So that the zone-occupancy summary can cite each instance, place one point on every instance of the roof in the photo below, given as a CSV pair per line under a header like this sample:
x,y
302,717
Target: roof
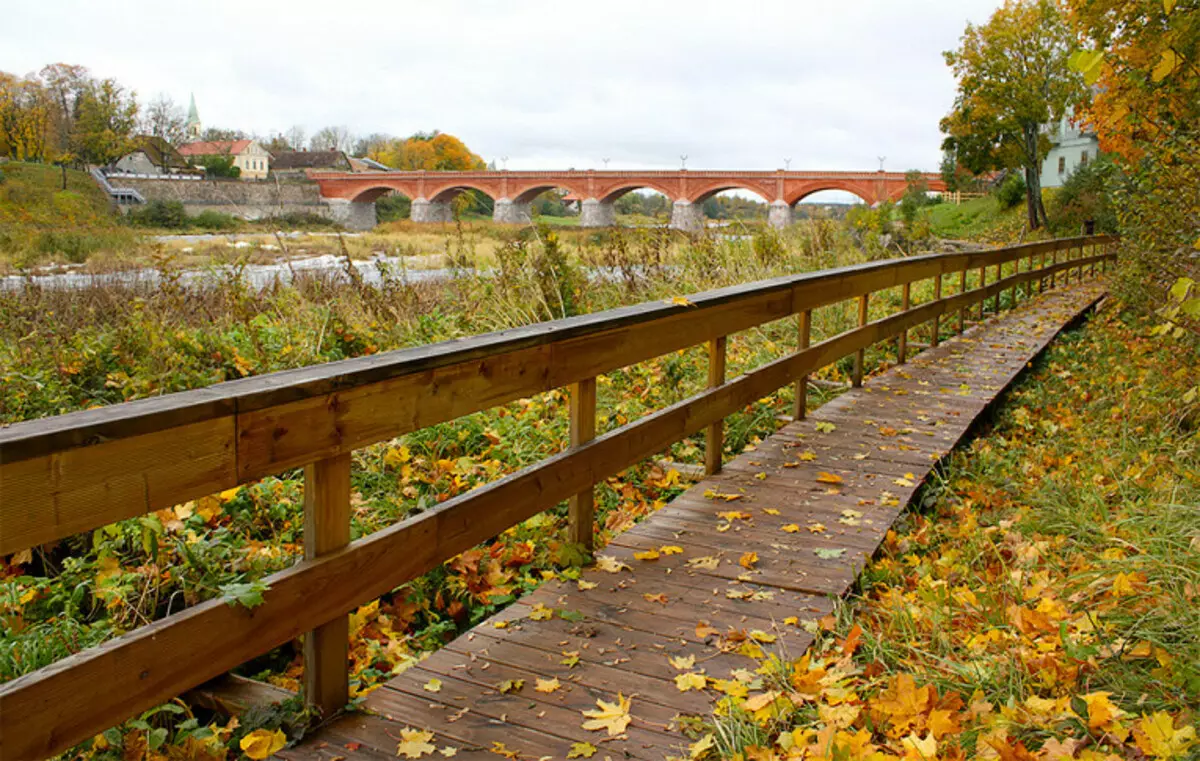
x,y
159,151
367,164
216,148
284,160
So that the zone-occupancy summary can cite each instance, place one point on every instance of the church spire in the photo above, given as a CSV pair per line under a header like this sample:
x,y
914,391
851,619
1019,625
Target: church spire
x,y
193,120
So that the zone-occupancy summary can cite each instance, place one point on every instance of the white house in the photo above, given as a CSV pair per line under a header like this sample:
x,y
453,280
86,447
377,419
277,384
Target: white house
x,y
1072,149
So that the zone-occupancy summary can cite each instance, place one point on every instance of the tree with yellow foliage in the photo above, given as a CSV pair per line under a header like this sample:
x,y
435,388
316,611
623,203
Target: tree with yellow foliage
x,y
1013,78
431,151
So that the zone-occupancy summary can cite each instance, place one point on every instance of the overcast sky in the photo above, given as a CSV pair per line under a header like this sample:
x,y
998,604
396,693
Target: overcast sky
x,y
830,84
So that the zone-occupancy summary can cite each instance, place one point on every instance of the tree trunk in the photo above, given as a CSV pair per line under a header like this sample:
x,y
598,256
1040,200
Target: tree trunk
x,y
1033,179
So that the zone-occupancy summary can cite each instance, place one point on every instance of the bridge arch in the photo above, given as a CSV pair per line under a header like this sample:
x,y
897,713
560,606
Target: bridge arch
x,y
721,187
864,194
447,193
372,193
530,192
613,193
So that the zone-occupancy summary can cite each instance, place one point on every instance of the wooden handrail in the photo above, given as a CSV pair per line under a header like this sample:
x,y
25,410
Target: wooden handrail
x,y
75,472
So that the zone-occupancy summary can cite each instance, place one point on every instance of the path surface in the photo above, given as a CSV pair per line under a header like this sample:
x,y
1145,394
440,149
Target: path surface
x,y
851,467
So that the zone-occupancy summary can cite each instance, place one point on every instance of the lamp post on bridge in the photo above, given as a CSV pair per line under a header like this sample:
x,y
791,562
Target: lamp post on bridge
x,y
787,165
606,163
683,161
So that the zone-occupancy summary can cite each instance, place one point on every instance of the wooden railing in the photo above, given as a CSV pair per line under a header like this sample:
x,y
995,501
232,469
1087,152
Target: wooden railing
x,y
73,473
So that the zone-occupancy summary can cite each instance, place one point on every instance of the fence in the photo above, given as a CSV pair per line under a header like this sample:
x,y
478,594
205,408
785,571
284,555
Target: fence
x,y
73,473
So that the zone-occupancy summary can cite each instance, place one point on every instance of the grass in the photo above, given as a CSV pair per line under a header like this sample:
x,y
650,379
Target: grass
x,y
978,219
1044,604
40,220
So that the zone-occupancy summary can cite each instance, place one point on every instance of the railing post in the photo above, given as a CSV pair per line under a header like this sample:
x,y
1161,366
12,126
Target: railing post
x,y
999,277
860,356
327,529
1054,275
937,318
982,285
581,511
962,311
905,296
804,328
714,439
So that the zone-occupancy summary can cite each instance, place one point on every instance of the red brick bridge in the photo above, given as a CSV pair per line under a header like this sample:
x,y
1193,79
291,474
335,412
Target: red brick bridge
x,y
433,192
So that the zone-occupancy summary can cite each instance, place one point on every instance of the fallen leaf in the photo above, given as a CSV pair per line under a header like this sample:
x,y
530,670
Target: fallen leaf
x,y
613,717
690,681
263,743
826,427
414,743
610,564
680,301
647,555
747,560
541,613
670,549
826,553
706,563
829,478
510,685
433,685
790,528
581,750
547,685
659,598
681,662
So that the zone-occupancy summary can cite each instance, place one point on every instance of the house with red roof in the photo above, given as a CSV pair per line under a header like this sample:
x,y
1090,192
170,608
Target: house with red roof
x,y
249,156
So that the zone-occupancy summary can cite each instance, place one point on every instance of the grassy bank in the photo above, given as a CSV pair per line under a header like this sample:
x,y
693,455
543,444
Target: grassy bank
x,y
1041,603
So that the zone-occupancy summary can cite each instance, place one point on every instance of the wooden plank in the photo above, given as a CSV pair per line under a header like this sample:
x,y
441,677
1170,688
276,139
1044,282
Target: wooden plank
x,y
581,509
714,437
905,298
803,339
856,378
935,338
327,530
64,493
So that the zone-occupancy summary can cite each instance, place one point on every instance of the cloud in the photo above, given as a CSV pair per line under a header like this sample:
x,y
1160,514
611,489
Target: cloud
x,y
731,85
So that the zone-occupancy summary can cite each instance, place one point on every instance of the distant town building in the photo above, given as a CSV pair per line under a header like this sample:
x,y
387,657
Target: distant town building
x,y
248,155
1073,148
192,127
153,156
293,164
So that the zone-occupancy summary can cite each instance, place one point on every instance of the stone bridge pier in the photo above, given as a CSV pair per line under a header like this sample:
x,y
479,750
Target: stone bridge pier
x,y
687,216
353,215
780,214
509,212
424,210
596,213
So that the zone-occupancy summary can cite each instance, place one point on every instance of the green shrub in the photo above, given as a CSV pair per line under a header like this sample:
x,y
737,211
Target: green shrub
x,y
1086,195
168,214
220,166
1012,191
393,207
215,220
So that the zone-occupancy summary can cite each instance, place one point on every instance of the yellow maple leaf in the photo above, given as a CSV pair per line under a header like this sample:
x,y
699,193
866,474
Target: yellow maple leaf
x,y
510,685
760,701
547,685
670,549
581,750
828,478
918,749
613,717
610,564
541,613
659,597
1157,736
706,563
680,301
433,685
1101,711
690,681
1122,585
701,746
816,528
1166,66
647,555
807,456
682,663
790,528
747,560
263,743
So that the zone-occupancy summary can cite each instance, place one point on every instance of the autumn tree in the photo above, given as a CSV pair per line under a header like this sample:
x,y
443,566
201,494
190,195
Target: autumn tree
x,y
26,128
434,152
1143,57
1013,78
105,118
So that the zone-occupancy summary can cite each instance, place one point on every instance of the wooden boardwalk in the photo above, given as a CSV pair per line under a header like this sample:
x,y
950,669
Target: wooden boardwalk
x,y
850,468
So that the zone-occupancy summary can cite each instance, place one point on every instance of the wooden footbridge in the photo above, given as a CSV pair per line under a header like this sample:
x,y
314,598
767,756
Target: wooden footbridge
x,y
849,466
